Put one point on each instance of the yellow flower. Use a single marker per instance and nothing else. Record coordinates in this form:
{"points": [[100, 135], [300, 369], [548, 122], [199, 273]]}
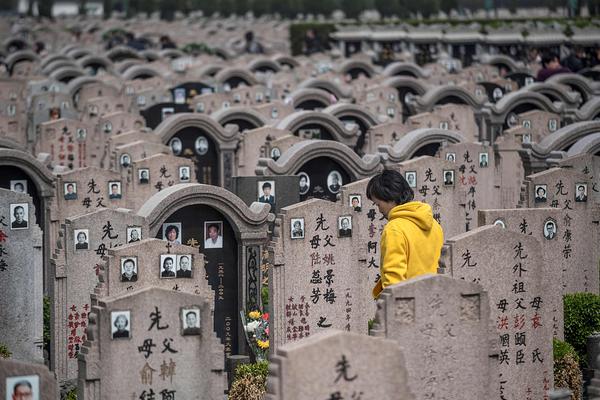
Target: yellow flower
{"points": [[263, 344], [254, 314]]}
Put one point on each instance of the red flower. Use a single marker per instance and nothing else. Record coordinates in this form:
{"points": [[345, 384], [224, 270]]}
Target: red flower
{"points": [[265, 316]]}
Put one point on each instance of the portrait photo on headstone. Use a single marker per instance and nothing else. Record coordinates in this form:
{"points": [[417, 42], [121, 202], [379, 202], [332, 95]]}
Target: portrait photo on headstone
{"points": [[334, 181], [134, 234], [81, 237], [448, 177], [81, 134], [143, 176], [304, 184], [451, 157], [176, 145], [184, 266], [19, 216], [526, 124], [541, 193], [411, 178], [19, 186], [552, 125], [23, 387], [345, 226], [70, 190], [550, 229], [172, 232], [213, 235], [107, 128], [580, 192], [114, 190], [266, 193], [180, 95], [190, 321], [201, 145], [526, 138], [129, 269], [120, 324], [166, 112], [167, 265], [125, 160], [483, 160], [184, 174], [355, 201], [297, 228], [275, 153]]}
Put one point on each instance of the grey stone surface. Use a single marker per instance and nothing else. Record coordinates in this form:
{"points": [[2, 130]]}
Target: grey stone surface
{"points": [[13, 372], [593, 351], [443, 326], [339, 365]]}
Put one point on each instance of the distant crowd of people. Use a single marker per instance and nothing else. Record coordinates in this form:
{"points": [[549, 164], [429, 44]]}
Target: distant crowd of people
{"points": [[577, 60]]}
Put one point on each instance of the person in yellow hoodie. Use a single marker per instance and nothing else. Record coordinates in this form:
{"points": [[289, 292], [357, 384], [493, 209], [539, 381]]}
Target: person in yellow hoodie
{"points": [[411, 242]]}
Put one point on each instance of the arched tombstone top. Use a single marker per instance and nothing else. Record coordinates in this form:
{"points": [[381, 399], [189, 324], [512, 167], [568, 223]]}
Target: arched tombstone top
{"points": [[499, 60], [250, 223], [8, 143], [52, 58], [76, 84], [222, 53], [150, 55], [39, 174], [300, 96], [18, 56], [263, 63], [120, 53], [296, 156], [92, 59], [209, 70], [242, 74], [584, 86], [334, 126], [141, 72], [53, 66], [317, 83], [122, 66], [556, 92], [171, 53], [512, 100], [79, 53], [406, 147], [177, 122], [16, 41], [436, 95], [227, 115], [68, 48], [361, 65], [417, 85], [283, 59], [66, 74], [589, 144], [47, 386], [563, 138], [404, 69], [342, 110], [590, 110]]}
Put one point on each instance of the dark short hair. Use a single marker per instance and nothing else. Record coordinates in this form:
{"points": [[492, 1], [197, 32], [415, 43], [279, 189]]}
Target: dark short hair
{"points": [[390, 185], [81, 233], [168, 258], [548, 57], [540, 188], [114, 185], [17, 207], [213, 225], [21, 383], [170, 228], [70, 184], [129, 260], [190, 312], [20, 184], [354, 198], [119, 316], [266, 185], [580, 187]]}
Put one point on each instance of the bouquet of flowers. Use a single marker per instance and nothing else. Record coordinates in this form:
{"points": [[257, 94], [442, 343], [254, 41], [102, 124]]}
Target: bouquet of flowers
{"points": [[256, 328]]}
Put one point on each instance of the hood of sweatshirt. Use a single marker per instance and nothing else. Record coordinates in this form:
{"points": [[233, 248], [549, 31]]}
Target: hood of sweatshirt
{"points": [[415, 211]]}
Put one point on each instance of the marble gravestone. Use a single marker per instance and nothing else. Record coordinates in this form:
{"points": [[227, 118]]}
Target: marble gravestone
{"points": [[339, 365], [509, 266], [86, 240], [70, 143], [562, 188], [588, 165], [148, 343], [443, 327], [21, 280], [15, 374], [316, 280]]}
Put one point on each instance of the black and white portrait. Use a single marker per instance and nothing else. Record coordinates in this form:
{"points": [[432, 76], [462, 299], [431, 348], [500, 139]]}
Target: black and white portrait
{"points": [[274, 113], [552, 125], [580, 192], [411, 178], [184, 266], [70, 190], [172, 232], [213, 235], [81, 238], [114, 190], [550, 229], [512, 120], [141, 100], [200, 107], [304, 184], [81, 134], [93, 110], [266, 193], [334, 181], [19, 185], [345, 226], [526, 138], [201, 145], [167, 265], [275, 153], [297, 228], [184, 174], [19, 216], [120, 324], [134, 234], [526, 123], [448, 177], [500, 223], [483, 160], [176, 145], [166, 112], [11, 110], [129, 269], [190, 321], [107, 128], [356, 202], [125, 160], [179, 95], [541, 193], [143, 176], [444, 125], [451, 157], [497, 94], [26, 387]]}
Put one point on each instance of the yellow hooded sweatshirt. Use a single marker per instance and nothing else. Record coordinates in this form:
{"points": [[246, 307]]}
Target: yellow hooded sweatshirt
{"points": [[411, 244]]}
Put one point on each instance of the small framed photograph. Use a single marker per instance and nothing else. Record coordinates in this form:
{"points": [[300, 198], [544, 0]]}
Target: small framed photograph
{"points": [[304, 184], [172, 232], [266, 193], [176, 145], [184, 266], [297, 228], [444, 125], [500, 223], [70, 190], [93, 110], [200, 107], [483, 160], [120, 322], [526, 124], [512, 120], [448, 177], [201, 145], [25, 387], [141, 100], [107, 127], [166, 112], [213, 235], [81, 238], [129, 269], [54, 113], [497, 94], [190, 321], [581, 192], [274, 113], [541, 193], [275, 153], [526, 138], [19, 216], [345, 226], [134, 234], [114, 190], [552, 125], [550, 229], [184, 174], [19, 186], [179, 96], [125, 160], [81, 134], [334, 181], [355, 201], [411, 178], [167, 265], [451, 157], [11, 110], [143, 176]]}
